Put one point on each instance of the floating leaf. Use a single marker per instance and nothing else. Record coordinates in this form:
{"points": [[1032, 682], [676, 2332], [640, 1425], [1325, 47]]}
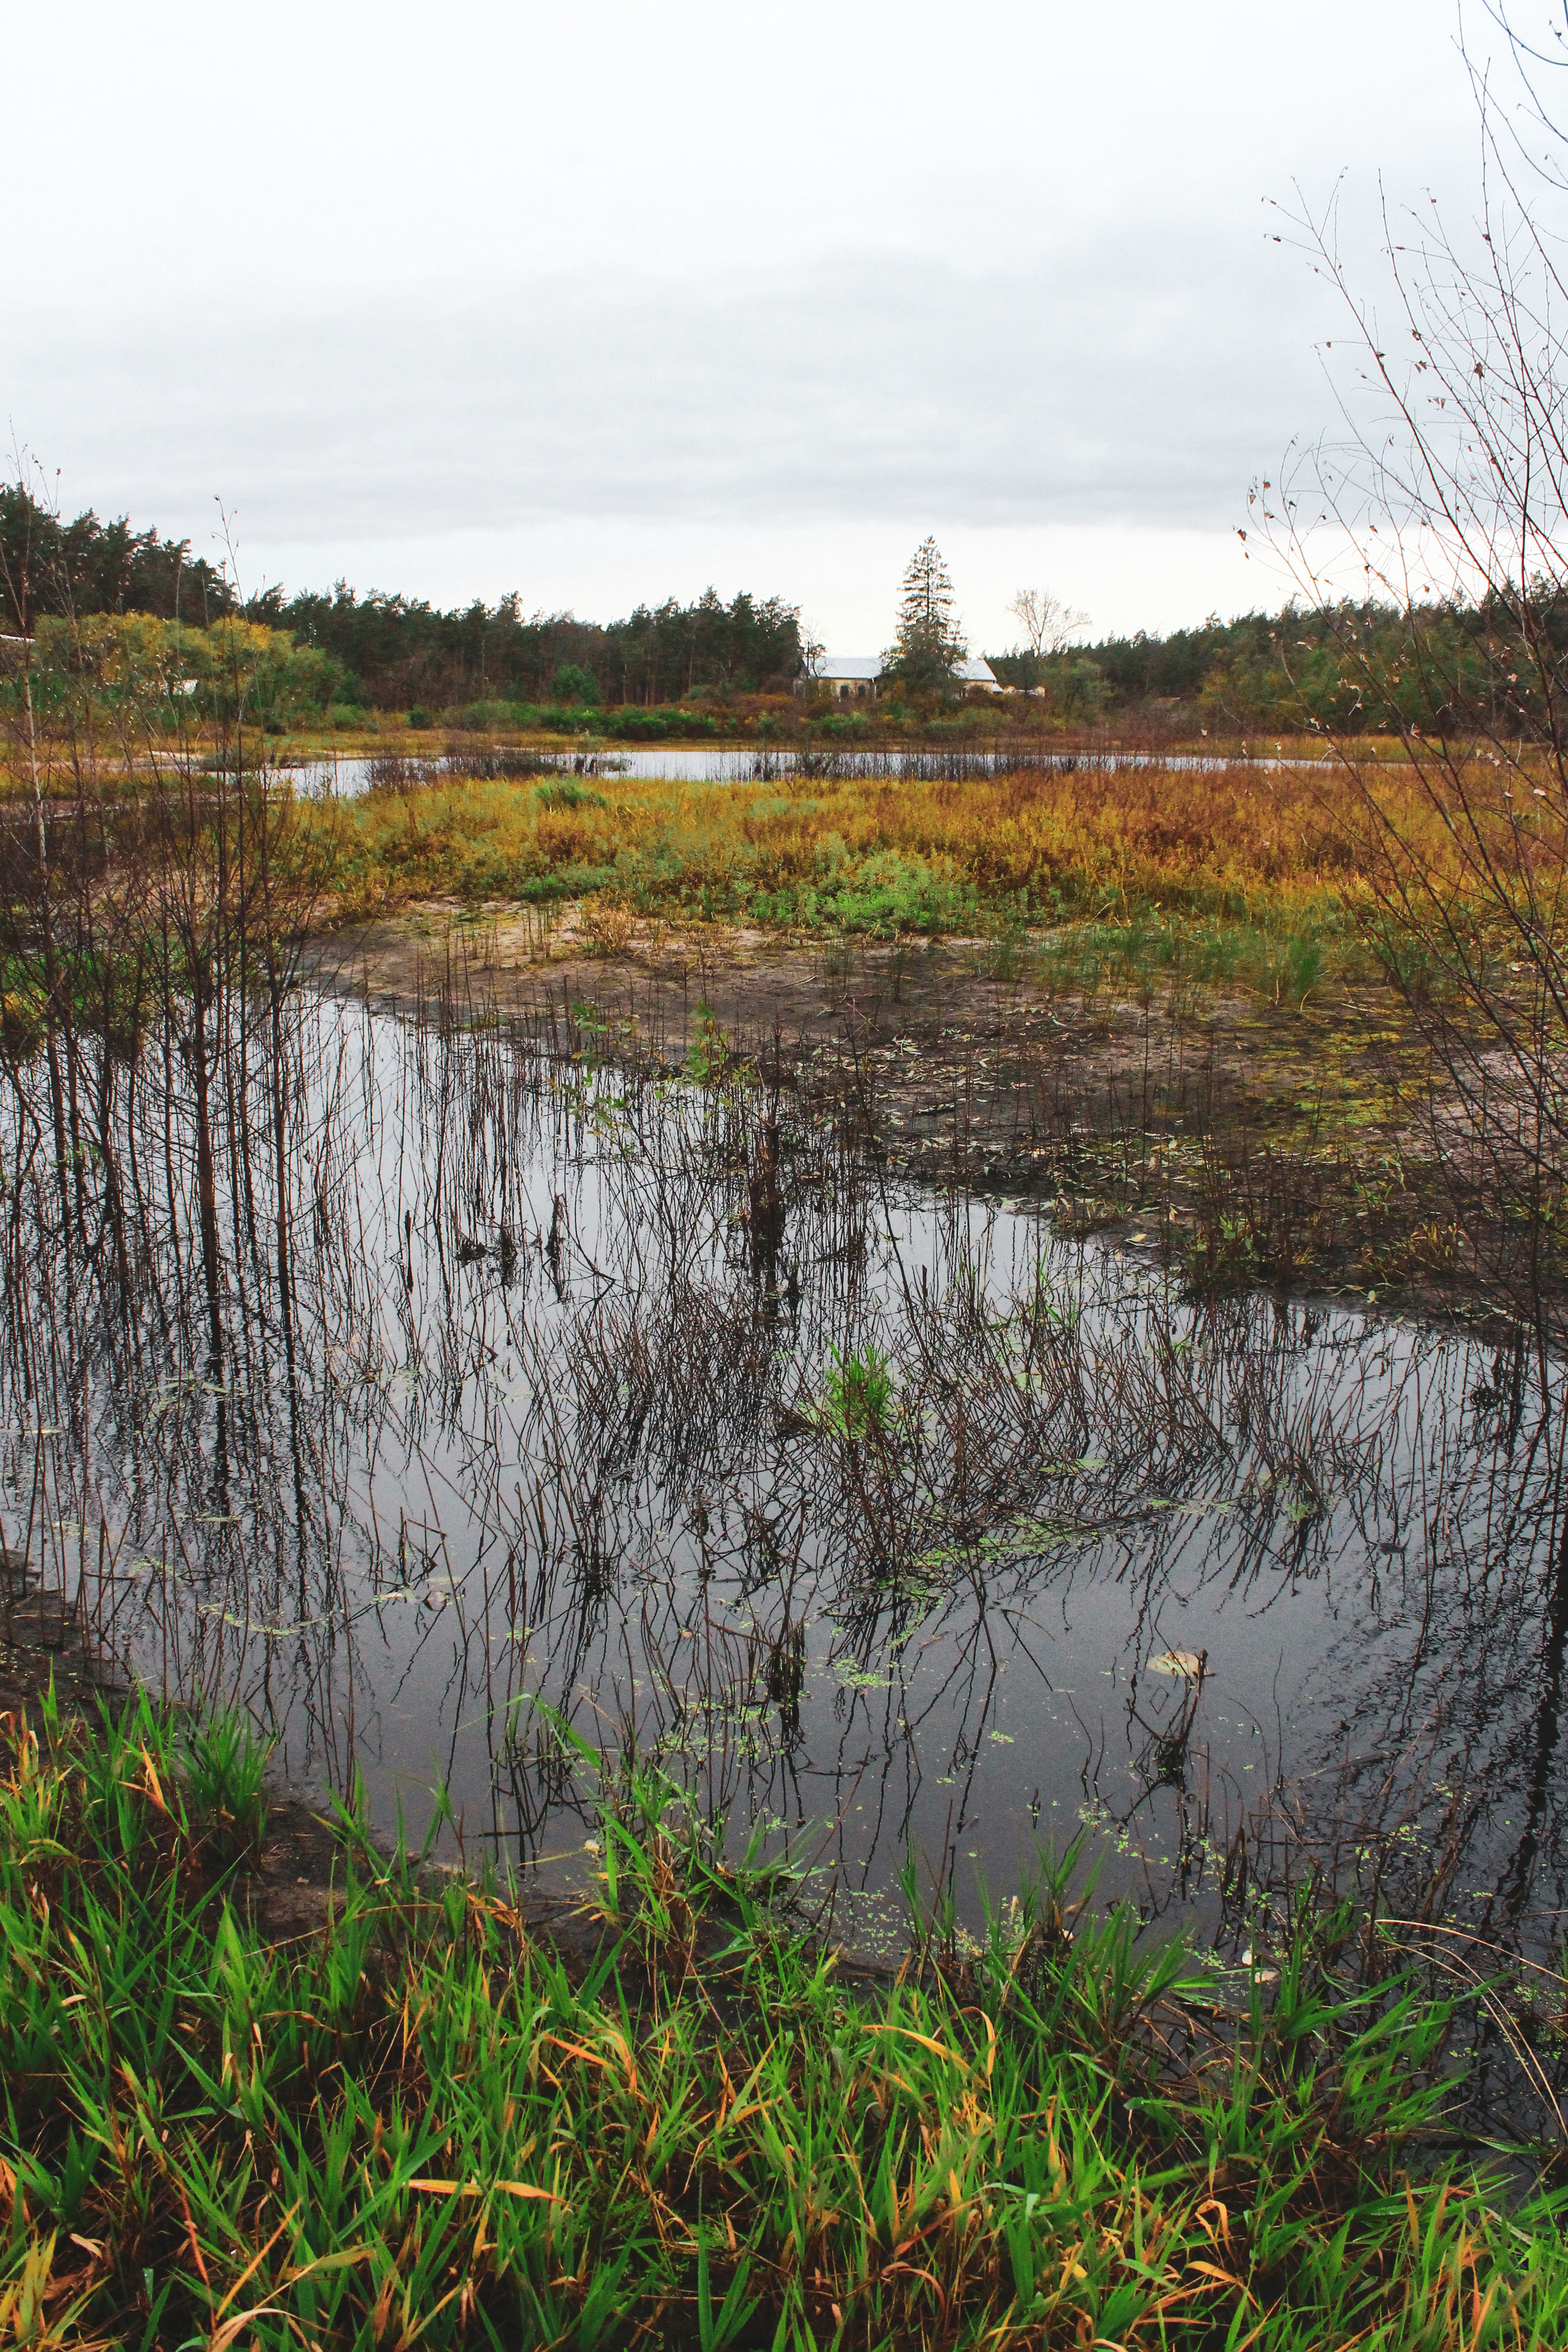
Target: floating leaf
{"points": [[1177, 1661]]}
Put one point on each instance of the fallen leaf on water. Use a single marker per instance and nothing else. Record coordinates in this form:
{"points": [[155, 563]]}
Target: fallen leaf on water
{"points": [[1176, 1662]]}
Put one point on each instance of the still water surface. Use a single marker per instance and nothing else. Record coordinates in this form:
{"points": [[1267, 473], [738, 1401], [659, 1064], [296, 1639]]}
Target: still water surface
{"points": [[557, 1412], [696, 763]]}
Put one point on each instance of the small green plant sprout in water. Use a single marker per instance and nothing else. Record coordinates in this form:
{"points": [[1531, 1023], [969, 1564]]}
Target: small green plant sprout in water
{"points": [[707, 1055], [1060, 1318], [859, 1391]]}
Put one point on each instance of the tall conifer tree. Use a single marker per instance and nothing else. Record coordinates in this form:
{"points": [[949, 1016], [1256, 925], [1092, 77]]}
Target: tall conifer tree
{"points": [[929, 647]]}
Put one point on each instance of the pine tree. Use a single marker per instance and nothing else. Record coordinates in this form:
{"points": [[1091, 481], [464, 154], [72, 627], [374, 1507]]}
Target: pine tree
{"points": [[929, 647]]}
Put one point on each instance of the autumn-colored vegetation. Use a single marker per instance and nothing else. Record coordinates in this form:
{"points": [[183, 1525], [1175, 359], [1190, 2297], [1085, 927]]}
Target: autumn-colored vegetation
{"points": [[1286, 853], [1087, 842], [1280, 870]]}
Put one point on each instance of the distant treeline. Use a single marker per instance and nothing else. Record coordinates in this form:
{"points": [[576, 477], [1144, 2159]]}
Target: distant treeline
{"points": [[1349, 667], [50, 569], [395, 651]]}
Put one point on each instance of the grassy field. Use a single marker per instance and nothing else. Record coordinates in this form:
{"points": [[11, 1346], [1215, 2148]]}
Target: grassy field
{"points": [[1232, 870], [1261, 874], [421, 2124]]}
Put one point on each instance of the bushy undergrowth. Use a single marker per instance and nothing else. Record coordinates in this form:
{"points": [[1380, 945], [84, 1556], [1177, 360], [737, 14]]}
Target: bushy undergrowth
{"points": [[418, 2125]]}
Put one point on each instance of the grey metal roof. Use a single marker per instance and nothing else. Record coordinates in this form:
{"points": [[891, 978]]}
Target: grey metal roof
{"points": [[973, 672]]}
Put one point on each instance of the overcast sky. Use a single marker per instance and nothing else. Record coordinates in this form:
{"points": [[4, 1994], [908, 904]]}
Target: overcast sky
{"points": [[609, 304]]}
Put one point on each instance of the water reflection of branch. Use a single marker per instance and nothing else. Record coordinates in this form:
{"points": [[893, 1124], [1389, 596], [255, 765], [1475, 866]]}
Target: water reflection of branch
{"points": [[617, 1432]]}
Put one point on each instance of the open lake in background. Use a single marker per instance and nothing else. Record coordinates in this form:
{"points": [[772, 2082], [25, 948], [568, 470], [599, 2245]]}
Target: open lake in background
{"points": [[696, 763]]}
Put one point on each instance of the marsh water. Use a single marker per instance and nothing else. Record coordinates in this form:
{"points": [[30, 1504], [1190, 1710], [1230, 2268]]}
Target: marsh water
{"points": [[701, 763], [891, 1521]]}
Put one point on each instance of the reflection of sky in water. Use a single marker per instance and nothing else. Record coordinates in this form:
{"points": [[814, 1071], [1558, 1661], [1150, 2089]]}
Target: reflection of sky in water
{"points": [[605, 1474], [699, 764]]}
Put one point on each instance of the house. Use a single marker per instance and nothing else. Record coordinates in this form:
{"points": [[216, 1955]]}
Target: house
{"points": [[856, 677], [848, 677]]}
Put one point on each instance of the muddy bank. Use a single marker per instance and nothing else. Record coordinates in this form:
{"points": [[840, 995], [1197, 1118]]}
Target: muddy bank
{"points": [[294, 1887], [49, 1656], [1248, 1140], [47, 1641]]}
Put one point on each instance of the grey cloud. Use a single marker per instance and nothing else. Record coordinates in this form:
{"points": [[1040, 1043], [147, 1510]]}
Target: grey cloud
{"points": [[866, 388]]}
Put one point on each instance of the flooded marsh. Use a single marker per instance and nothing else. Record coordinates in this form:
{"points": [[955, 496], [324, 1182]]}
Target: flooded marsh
{"points": [[897, 1522]]}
